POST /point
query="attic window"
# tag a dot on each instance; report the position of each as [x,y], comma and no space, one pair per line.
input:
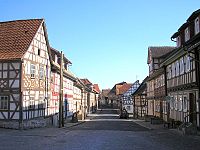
[196,25]
[38,51]
[187,34]
[178,41]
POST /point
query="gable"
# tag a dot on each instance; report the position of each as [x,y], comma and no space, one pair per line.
[38,49]
[133,88]
[16,36]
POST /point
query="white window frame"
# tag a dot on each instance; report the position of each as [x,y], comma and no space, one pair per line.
[176,102]
[172,103]
[180,108]
[188,64]
[4,102]
[187,34]
[185,103]
[177,68]
[196,30]
[173,70]
[182,66]
[32,70]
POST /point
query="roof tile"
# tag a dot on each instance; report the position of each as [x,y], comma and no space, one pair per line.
[16,36]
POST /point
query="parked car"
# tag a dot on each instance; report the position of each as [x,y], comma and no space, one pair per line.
[123,114]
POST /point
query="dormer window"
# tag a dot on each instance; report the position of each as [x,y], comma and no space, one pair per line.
[196,25]
[178,43]
[187,34]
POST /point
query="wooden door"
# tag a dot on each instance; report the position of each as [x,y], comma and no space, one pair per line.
[192,109]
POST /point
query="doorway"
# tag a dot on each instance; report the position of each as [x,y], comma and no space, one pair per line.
[192,108]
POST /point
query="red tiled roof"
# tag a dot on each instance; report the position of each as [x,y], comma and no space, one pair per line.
[124,88]
[96,88]
[16,36]
[86,81]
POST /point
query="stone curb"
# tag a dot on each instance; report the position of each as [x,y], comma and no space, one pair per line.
[69,125]
[143,125]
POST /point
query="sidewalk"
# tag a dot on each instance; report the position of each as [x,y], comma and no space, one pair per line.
[69,124]
[148,125]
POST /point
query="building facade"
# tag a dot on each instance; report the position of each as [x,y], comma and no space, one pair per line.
[182,69]
[126,90]
[25,73]
[140,105]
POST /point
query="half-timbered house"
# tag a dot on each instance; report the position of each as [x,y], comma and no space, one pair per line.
[97,94]
[182,68]
[78,99]
[156,81]
[139,100]
[114,98]
[68,82]
[24,73]
[125,91]
[91,101]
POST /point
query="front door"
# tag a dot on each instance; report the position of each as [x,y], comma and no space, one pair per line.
[192,108]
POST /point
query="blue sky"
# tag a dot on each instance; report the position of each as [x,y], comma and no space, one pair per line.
[106,40]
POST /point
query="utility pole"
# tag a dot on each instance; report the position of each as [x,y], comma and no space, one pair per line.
[61,119]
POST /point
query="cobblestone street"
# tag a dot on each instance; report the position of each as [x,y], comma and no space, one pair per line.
[98,133]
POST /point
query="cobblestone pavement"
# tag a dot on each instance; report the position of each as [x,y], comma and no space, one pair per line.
[97,134]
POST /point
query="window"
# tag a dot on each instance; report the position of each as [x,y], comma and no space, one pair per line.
[196,25]
[41,103]
[173,70]
[180,103]
[128,108]
[177,68]
[185,103]
[181,65]
[38,51]
[187,63]
[31,103]
[175,102]
[178,41]
[187,34]
[32,71]
[4,102]
[172,103]
[169,72]
[41,72]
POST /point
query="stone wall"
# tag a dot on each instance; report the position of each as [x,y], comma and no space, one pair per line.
[30,124]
